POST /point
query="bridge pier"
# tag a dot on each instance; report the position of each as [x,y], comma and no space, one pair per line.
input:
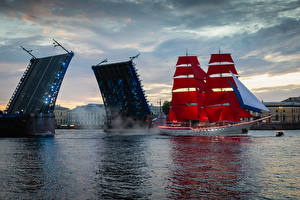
[18,125]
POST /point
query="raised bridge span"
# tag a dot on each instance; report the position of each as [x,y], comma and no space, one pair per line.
[29,111]
[39,86]
[124,99]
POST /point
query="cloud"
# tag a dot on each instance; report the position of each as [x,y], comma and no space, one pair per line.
[267,83]
[278,93]
[261,35]
[285,88]
[278,57]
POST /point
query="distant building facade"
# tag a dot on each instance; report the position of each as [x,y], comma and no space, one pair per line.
[156,110]
[61,115]
[283,112]
[284,115]
[87,116]
[292,99]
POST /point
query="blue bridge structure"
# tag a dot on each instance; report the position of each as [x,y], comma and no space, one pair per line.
[29,111]
[123,96]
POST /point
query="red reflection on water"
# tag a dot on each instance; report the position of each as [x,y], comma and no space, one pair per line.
[207,167]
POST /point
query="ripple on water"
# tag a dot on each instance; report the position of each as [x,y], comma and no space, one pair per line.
[90,164]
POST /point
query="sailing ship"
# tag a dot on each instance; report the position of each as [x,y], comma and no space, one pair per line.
[210,103]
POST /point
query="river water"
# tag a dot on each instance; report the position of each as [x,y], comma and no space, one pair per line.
[90,164]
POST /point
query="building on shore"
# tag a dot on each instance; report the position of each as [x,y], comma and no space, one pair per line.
[61,116]
[292,99]
[284,115]
[156,110]
[283,112]
[87,116]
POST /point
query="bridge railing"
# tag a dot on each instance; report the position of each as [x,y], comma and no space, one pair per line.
[51,96]
[18,86]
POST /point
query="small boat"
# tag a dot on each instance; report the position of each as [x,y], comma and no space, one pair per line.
[210,103]
[279,133]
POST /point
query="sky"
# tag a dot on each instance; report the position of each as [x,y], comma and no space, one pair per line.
[261,35]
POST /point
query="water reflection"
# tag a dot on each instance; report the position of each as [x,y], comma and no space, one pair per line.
[22,167]
[123,170]
[208,167]
[88,164]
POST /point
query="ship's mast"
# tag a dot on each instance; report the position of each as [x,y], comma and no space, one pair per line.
[220,63]
[186,54]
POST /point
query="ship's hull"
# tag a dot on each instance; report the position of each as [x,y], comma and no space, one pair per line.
[231,130]
[27,126]
[228,130]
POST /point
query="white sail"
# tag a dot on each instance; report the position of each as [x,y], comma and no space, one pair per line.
[247,98]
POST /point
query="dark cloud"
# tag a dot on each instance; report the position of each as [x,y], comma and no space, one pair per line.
[149,14]
[280,94]
[255,32]
[11,50]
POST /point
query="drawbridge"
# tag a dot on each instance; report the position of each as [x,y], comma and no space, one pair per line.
[124,99]
[36,94]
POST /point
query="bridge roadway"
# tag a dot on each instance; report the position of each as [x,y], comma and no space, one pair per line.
[30,109]
[124,99]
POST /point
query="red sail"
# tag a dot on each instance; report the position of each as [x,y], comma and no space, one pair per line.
[213,113]
[232,112]
[184,98]
[186,113]
[219,82]
[184,83]
[203,103]
[171,116]
[217,98]
[218,69]
[202,115]
[224,57]
[200,77]
[226,114]
[222,105]
[236,108]
[199,74]
[187,60]
[180,71]
[220,113]
[184,105]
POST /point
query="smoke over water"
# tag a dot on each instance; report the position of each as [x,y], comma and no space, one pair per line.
[129,125]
